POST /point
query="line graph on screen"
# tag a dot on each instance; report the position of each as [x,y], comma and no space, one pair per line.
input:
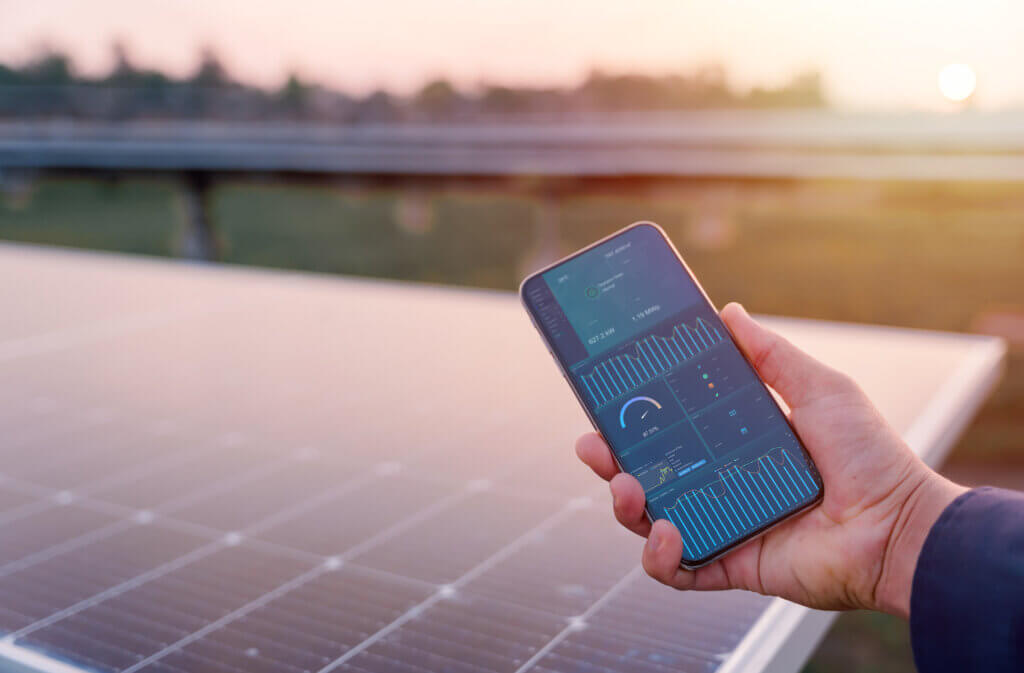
[651,356]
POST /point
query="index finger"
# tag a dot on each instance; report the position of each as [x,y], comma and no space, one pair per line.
[594,451]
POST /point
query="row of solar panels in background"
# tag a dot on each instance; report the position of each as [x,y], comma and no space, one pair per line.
[797,144]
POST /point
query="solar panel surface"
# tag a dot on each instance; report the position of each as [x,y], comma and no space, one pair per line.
[224,470]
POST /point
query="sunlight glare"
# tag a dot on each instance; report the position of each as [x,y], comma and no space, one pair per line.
[957,82]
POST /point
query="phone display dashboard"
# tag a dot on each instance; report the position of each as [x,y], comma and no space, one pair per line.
[678,403]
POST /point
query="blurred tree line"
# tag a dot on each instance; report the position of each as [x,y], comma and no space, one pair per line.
[48,86]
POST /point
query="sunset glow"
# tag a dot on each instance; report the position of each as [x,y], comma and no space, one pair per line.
[874,54]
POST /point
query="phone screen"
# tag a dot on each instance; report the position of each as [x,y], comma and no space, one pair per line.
[663,381]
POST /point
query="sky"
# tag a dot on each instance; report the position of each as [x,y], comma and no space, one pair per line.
[874,54]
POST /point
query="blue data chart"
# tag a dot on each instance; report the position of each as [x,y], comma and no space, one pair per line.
[741,500]
[648,359]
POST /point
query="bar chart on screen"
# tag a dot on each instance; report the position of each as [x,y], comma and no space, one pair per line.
[648,358]
[742,499]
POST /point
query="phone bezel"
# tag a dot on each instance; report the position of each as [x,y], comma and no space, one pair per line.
[685,563]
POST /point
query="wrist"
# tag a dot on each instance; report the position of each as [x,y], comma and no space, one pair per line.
[925,499]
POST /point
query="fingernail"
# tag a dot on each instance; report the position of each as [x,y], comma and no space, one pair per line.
[655,541]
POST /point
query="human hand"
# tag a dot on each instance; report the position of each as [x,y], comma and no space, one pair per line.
[859,548]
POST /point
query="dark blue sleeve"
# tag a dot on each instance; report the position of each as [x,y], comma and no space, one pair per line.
[967,600]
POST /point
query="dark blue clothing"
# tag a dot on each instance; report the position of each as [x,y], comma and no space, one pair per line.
[967,600]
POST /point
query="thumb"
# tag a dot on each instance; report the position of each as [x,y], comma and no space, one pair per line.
[796,376]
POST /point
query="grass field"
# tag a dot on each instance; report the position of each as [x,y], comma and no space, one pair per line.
[928,256]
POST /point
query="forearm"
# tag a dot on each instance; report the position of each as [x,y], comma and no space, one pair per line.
[967,596]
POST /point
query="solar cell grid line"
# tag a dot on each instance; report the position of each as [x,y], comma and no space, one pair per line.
[31,541]
[36,491]
[197,554]
[131,472]
[478,623]
[579,622]
[639,630]
[687,643]
[228,540]
[177,503]
[385,574]
[215,657]
[297,652]
[544,525]
[168,522]
[206,531]
[115,527]
[646,611]
[228,483]
[503,482]
[177,604]
[266,598]
[417,649]
[608,650]
[27,509]
[65,546]
[140,470]
[138,580]
[384,534]
[50,586]
[143,628]
[162,514]
[86,643]
[278,517]
[707,637]
[316,532]
[558,575]
[57,498]
[470,640]
[504,486]
[330,563]
[12,499]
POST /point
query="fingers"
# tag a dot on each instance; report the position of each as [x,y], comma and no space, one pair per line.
[793,373]
[592,450]
[661,557]
[628,503]
[627,494]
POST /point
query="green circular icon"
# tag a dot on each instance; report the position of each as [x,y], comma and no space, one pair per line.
[591,292]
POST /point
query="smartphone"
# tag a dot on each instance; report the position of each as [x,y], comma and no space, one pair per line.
[661,378]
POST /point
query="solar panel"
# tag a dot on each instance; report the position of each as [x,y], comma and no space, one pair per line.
[216,470]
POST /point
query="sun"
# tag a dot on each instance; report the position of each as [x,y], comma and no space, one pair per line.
[957,81]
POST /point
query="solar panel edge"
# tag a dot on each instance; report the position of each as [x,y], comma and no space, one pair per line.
[33,661]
